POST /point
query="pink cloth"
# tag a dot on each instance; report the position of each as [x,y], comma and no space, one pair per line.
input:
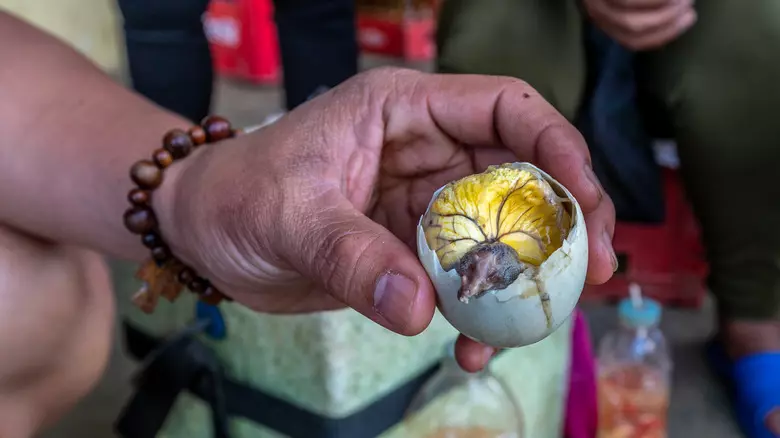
[581,418]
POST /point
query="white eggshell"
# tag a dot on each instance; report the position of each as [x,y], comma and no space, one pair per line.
[514,317]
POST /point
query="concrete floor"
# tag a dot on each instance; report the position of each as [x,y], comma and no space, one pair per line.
[698,409]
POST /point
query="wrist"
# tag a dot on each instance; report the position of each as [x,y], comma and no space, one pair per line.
[156,212]
[170,201]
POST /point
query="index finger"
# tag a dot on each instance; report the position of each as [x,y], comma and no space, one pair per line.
[495,111]
[492,111]
[640,4]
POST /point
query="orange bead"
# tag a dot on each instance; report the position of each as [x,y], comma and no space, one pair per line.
[162,158]
[146,174]
[138,197]
[198,135]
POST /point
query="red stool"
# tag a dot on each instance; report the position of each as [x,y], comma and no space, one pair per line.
[403,31]
[667,260]
[243,38]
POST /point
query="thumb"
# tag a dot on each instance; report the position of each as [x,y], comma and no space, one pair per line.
[362,264]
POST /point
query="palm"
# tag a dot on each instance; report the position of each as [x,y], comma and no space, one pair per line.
[408,179]
[408,174]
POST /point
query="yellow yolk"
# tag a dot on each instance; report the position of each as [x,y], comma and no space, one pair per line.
[512,206]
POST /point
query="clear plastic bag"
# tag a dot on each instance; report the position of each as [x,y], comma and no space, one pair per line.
[457,404]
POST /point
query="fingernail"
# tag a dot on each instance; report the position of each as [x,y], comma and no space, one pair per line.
[393,298]
[608,244]
[594,180]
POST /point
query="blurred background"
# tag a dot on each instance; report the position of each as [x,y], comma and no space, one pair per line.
[248,90]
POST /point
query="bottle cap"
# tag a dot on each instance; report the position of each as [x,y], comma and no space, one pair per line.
[643,314]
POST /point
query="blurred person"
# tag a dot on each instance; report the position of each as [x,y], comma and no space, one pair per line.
[170,61]
[300,206]
[711,68]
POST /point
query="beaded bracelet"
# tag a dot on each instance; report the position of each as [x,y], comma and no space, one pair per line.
[163,275]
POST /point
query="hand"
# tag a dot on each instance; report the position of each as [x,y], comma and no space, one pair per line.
[642,24]
[57,343]
[331,194]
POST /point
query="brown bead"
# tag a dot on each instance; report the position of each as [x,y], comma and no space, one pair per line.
[186,275]
[151,240]
[162,158]
[161,254]
[198,135]
[138,197]
[211,296]
[140,220]
[178,143]
[217,128]
[198,285]
[146,174]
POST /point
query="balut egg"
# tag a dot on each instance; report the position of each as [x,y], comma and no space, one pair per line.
[507,251]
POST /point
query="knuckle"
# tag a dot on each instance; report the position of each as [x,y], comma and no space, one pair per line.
[387,79]
[387,73]
[329,260]
[515,83]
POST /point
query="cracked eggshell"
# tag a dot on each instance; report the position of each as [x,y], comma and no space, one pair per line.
[514,317]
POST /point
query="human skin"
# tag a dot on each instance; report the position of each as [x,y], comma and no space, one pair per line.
[317,211]
[642,24]
[56,314]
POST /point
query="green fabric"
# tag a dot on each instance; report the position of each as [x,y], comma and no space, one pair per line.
[717,85]
[536,40]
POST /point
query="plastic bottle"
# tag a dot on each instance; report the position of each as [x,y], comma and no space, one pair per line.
[457,404]
[634,371]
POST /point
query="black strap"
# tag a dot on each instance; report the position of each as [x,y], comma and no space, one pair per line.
[168,368]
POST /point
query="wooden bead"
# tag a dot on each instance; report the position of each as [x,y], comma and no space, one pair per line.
[151,240]
[217,128]
[161,254]
[146,174]
[178,143]
[140,220]
[139,197]
[198,285]
[211,296]
[162,158]
[186,275]
[198,135]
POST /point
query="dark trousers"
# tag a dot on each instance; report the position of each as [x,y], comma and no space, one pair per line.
[170,63]
[716,86]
